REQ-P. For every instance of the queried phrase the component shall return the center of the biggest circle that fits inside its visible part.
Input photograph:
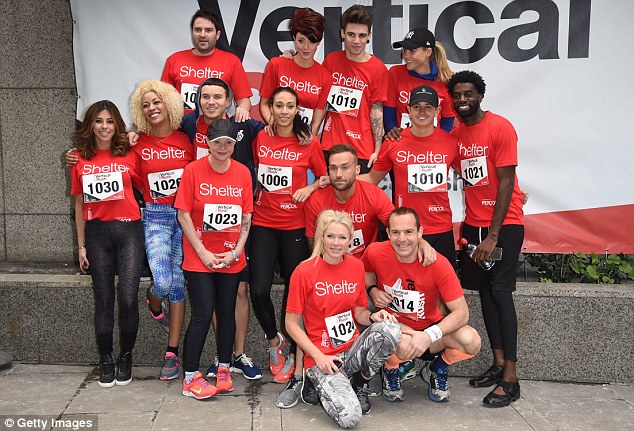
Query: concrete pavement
(70, 392)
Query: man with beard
(487, 158)
(186, 69)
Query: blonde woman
(157, 110)
(328, 292)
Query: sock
(359, 381)
(392, 362)
(189, 376)
(451, 356)
(174, 350)
(438, 364)
(223, 364)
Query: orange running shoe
(286, 372)
(199, 388)
(276, 358)
(223, 380)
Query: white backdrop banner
(553, 68)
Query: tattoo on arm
(244, 227)
(376, 121)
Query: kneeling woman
(328, 292)
(215, 203)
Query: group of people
(225, 199)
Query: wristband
(235, 256)
(370, 318)
(80, 247)
(370, 287)
(434, 333)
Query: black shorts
(444, 244)
(503, 275)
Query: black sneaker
(124, 373)
(309, 393)
(106, 368)
(363, 393)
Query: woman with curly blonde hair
(157, 109)
(109, 232)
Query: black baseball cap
(416, 38)
(423, 93)
(221, 129)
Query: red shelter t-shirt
(355, 88)
(368, 205)
(482, 148)
(186, 70)
(162, 163)
(216, 202)
(281, 165)
(326, 295)
(311, 84)
(106, 184)
(415, 288)
(421, 168)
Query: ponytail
(440, 57)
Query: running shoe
(276, 358)
(124, 369)
(363, 395)
(243, 364)
(407, 370)
(199, 388)
(291, 394)
(376, 385)
(437, 381)
(106, 371)
(286, 372)
(392, 390)
(223, 379)
(309, 393)
(171, 367)
(213, 369)
(162, 319)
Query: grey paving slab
(19, 369)
(144, 394)
(38, 393)
(117, 421)
(624, 392)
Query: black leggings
(267, 246)
(110, 246)
(498, 311)
(209, 291)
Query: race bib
(164, 184)
(275, 179)
(474, 171)
(357, 243)
(201, 152)
(344, 100)
(404, 302)
(222, 218)
(341, 328)
(427, 178)
(405, 122)
(188, 93)
(306, 114)
(102, 187)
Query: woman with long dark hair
(109, 232)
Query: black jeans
(112, 246)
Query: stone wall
(571, 332)
(37, 119)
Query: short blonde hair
(325, 218)
(167, 93)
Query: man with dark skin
(487, 147)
